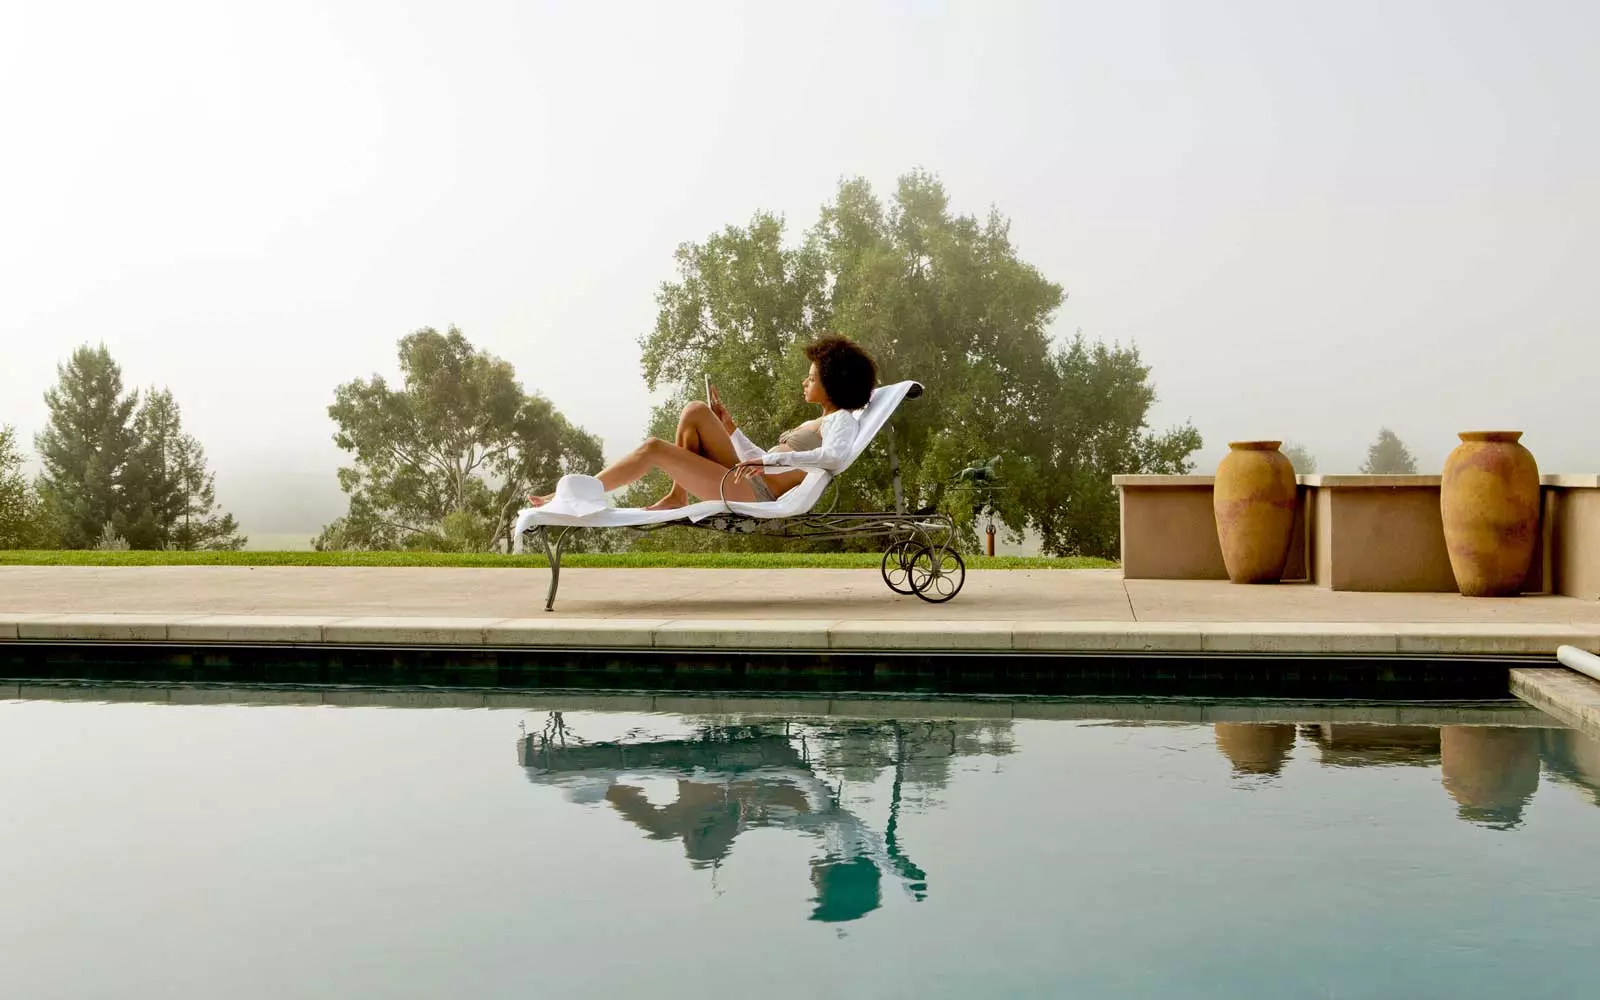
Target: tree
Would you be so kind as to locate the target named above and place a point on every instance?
(1388, 456)
(937, 297)
(445, 460)
(152, 497)
(116, 468)
(1303, 461)
(86, 446)
(1090, 428)
(21, 513)
(201, 524)
(170, 491)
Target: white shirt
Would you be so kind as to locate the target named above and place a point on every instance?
(839, 430)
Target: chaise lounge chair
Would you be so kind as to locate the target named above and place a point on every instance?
(920, 557)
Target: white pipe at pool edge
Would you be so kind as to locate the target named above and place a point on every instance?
(1584, 663)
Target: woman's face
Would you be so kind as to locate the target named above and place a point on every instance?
(812, 387)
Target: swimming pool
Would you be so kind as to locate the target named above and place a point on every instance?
(639, 845)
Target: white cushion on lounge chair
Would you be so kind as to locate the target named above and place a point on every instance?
(799, 500)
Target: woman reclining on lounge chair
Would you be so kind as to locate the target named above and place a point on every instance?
(708, 443)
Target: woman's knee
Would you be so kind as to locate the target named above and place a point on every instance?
(694, 412)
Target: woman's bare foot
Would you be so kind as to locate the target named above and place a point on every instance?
(675, 498)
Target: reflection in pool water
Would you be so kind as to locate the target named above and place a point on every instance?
(1255, 748)
(727, 778)
(1490, 771)
(1572, 759)
(732, 778)
(206, 850)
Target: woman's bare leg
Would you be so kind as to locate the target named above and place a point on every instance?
(697, 462)
(700, 432)
(690, 470)
(694, 472)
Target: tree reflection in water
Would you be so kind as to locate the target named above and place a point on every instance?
(753, 773)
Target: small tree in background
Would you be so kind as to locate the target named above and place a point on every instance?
(171, 496)
(110, 540)
(22, 514)
(1303, 461)
(86, 446)
(1388, 456)
(119, 468)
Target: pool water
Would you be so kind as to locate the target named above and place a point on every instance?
(311, 851)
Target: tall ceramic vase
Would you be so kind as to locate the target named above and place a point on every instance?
(1489, 500)
(1254, 499)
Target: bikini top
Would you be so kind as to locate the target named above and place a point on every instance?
(833, 443)
(803, 438)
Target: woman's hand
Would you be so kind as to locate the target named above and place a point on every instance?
(747, 470)
(719, 411)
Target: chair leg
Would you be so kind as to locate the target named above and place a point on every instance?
(552, 551)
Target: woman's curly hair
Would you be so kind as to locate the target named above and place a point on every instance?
(848, 373)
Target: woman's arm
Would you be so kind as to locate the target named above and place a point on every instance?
(742, 446)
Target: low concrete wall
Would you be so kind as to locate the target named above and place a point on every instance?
(1357, 533)
(1379, 533)
(1169, 531)
(1572, 516)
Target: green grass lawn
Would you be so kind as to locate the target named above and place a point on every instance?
(631, 560)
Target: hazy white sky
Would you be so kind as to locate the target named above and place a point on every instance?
(1313, 219)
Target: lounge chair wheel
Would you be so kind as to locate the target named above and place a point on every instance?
(897, 566)
(937, 573)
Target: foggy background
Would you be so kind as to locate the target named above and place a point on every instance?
(1313, 220)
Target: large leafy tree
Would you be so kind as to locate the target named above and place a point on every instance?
(1389, 456)
(86, 446)
(444, 459)
(937, 297)
(1090, 426)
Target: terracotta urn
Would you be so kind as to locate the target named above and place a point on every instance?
(1254, 500)
(1489, 501)
(1254, 747)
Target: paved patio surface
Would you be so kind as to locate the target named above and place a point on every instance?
(755, 595)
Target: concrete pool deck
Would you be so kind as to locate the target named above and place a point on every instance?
(1566, 695)
(1036, 611)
